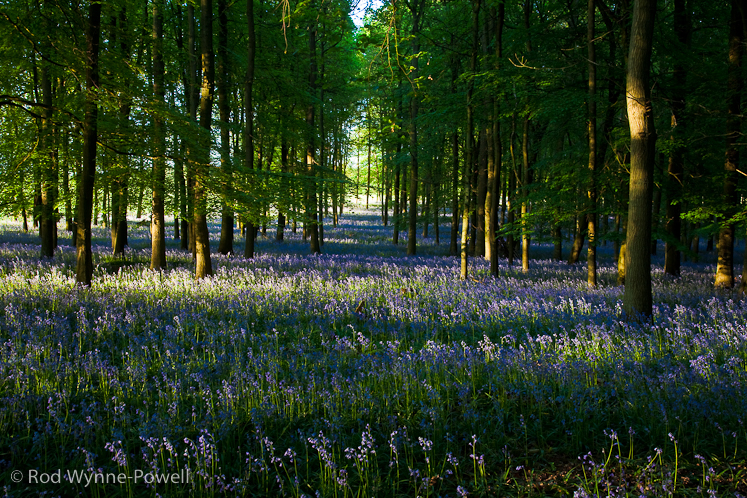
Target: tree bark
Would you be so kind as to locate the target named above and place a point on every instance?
(311, 199)
(84, 270)
(637, 298)
(203, 264)
(591, 253)
(251, 46)
(725, 265)
(48, 226)
(157, 228)
(226, 229)
(470, 148)
(416, 9)
(677, 155)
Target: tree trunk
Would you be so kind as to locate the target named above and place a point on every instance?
(416, 9)
(157, 228)
(637, 298)
(454, 172)
(492, 226)
(84, 270)
(525, 180)
(48, 226)
(470, 145)
(226, 229)
(578, 240)
(203, 264)
(591, 253)
(677, 155)
(311, 202)
(482, 193)
(251, 46)
(725, 266)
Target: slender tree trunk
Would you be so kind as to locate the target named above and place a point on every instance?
(591, 254)
(251, 46)
(482, 193)
(311, 202)
(193, 98)
(655, 215)
(48, 226)
(203, 264)
(470, 149)
(637, 298)
(157, 228)
(582, 225)
(499, 16)
(226, 229)
(726, 235)
(84, 270)
(525, 180)
(416, 9)
(454, 172)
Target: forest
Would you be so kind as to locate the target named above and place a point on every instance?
(403, 248)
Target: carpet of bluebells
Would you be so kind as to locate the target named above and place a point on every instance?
(363, 372)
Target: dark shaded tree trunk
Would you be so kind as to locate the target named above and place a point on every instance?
(637, 298)
(677, 155)
(578, 240)
(591, 253)
(311, 194)
(226, 229)
(251, 46)
(416, 9)
(726, 234)
(84, 270)
(48, 225)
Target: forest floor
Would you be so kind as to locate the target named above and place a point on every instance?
(362, 372)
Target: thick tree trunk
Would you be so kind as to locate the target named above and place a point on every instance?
(726, 235)
(203, 264)
(637, 298)
(84, 270)
(157, 228)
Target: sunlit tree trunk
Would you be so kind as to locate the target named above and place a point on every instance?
(157, 228)
(470, 146)
(203, 264)
(637, 298)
